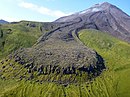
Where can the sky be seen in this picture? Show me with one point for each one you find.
(49, 10)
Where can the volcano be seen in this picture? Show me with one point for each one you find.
(104, 17)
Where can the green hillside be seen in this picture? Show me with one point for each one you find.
(113, 82)
(18, 35)
(116, 54)
(21, 34)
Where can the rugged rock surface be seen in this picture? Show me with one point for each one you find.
(103, 17)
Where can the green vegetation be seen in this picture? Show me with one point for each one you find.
(33, 89)
(116, 54)
(113, 82)
(18, 35)
(21, 34)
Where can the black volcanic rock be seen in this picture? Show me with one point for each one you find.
(3, 22)
(104, 17)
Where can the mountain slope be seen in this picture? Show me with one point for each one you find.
(116, 54)
(104, 17)
(21, 35)
(113, 82)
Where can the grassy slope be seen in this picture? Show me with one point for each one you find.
(114, 82)
(117, 57)
(20, 35)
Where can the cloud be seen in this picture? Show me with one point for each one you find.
(43, 10)
(27, 5)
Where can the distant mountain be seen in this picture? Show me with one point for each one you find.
(104, 17)
(3, 22)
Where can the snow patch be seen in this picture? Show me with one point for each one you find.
(93, 9)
